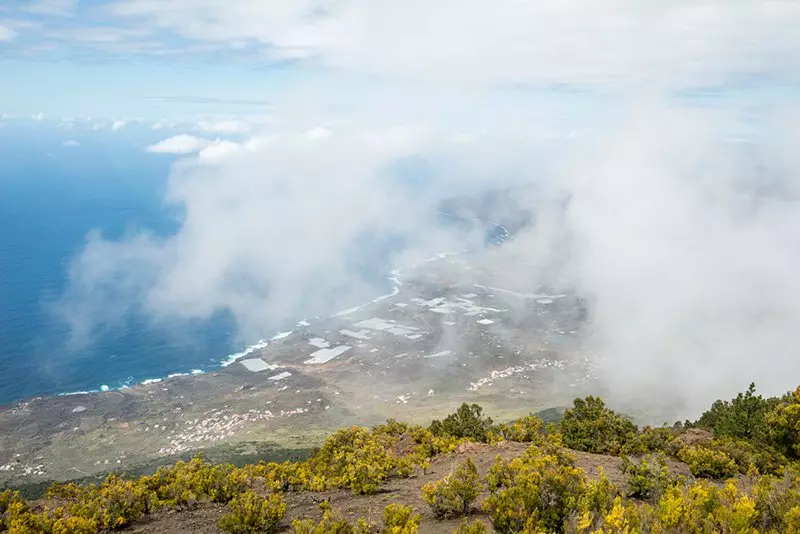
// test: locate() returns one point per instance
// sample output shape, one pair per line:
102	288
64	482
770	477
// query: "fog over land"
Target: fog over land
660	166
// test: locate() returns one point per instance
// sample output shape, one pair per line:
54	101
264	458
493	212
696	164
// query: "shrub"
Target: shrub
117	502
430	445
525	429
762	459
783	422
355	458
331	523
466	422
537	490
474	527
11	504
399	519
650	440
706	462
648	478
590	426
454	494
743	417
75	525
185	483
250	512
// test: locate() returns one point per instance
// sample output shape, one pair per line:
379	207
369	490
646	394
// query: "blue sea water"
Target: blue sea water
50	197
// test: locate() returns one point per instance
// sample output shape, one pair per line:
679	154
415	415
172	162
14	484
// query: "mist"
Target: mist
675	215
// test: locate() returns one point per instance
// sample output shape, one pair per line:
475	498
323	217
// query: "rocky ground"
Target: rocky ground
450	334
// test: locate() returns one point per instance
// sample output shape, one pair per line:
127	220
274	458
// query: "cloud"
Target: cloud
118	125
38	116
7	34
179	144
218	150
269	232
70	143
649	203
225	127
606	42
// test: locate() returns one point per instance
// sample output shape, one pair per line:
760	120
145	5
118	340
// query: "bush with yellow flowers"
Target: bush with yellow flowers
471	527
332	522
355	458
783	424
539	490
251	513
400	519
454	494
528	429
707	462
11	505
115	503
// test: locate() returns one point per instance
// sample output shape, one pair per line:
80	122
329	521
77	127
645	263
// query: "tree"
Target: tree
466	422
591	427
742	417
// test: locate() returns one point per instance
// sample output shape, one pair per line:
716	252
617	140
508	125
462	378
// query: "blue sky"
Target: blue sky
110	58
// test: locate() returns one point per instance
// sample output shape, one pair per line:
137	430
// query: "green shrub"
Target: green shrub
540	489
251	513
706	462
186	483
783	422
762	458
400	519
471	527
116	503
591	427
743	417
650	440
11	504
648	478
332	522
75	525
528	429
466	422
454	494
355	458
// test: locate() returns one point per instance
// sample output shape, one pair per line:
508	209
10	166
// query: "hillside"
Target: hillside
733	470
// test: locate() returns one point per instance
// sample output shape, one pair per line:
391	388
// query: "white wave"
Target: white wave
281	335
248	350
151	381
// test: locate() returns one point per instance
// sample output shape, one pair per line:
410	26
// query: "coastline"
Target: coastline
394	277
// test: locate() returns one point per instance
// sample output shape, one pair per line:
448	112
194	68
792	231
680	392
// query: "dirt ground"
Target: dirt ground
203	519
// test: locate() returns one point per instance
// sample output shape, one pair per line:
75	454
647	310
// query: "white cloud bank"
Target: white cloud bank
607	42
179	144
684	243
224	127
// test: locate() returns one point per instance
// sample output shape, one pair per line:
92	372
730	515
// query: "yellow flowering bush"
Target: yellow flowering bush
252	513
454	494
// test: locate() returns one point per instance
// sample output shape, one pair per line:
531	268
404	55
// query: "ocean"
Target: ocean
51	195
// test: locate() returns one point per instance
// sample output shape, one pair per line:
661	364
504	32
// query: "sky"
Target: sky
669	125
